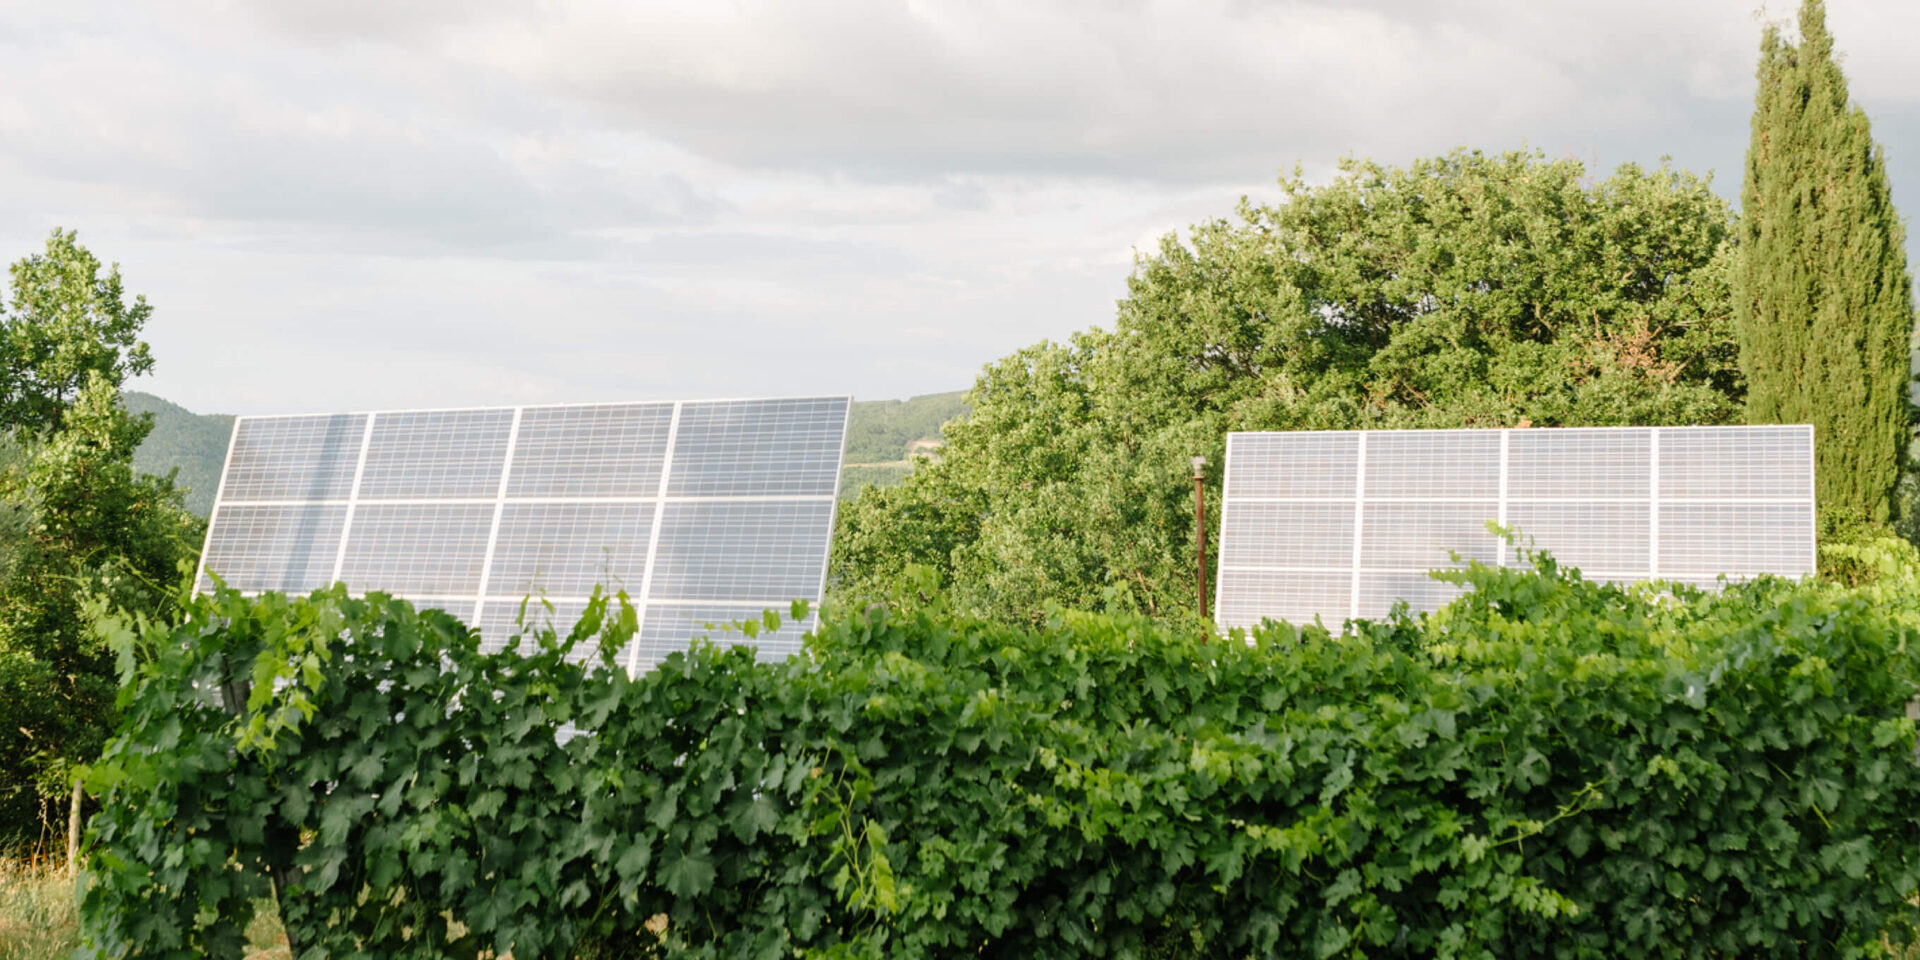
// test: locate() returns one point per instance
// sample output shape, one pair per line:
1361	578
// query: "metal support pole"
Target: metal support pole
1200	528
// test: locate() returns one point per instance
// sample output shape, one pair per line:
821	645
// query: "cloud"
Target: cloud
299	144
1168	91
362	203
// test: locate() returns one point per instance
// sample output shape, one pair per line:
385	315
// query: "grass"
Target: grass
39	920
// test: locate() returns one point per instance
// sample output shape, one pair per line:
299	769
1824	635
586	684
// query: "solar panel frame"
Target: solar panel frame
1596	497
765	458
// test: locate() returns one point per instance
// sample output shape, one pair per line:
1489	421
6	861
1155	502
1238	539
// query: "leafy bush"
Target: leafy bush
1548	767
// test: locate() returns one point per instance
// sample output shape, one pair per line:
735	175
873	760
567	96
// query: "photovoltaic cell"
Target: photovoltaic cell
1380	591
1415	463
1290	534
1689	504
501	622
265	547
293	458
604	450
758	448
1249	595
668	627
417	549
436	454
1609	540
715	551
704	512
1404	535
565	549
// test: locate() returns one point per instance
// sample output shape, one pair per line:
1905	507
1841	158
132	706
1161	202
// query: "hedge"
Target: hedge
1548	767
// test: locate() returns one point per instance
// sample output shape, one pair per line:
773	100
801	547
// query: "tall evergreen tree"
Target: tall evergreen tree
1823	302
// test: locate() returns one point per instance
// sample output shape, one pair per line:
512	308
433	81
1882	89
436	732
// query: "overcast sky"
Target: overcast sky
357	204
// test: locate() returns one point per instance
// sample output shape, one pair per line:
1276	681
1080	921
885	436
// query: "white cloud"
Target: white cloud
362	204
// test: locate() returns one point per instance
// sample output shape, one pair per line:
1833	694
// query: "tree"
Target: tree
1464	290
80	529
66	324
1823	300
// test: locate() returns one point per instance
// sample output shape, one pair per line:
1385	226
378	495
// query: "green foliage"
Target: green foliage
1466	290
1548	767
1825	301
80	531
855	477
92	536
67	324
190	447
884	431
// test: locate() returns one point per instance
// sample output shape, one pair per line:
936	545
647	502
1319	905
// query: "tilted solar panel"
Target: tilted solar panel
1342	524
704	511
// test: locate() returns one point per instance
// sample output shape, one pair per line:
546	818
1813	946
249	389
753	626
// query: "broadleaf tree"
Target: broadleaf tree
67	322
81	530
1463	290
1824	300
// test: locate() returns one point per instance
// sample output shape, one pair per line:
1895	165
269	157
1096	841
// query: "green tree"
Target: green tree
1464	290
1824	301
80	529
67	323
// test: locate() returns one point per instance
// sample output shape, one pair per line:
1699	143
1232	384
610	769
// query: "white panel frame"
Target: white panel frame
1652	568
653	538
484	597
219	495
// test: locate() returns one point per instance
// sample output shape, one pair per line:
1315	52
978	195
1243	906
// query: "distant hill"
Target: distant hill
880	434
194	443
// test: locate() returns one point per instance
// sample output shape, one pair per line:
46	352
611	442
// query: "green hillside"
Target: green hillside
193	443
880	435
882	431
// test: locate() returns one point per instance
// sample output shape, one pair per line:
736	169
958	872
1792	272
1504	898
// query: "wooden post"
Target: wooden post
73	829
1913	713
1200	528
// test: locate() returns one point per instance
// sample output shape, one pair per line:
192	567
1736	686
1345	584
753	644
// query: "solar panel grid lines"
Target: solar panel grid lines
653	537
1653	503
1359	522
353	496
499	508
1500	511
1620	503
475	509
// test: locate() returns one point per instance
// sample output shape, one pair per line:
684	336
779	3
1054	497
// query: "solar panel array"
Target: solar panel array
706	512
1341	524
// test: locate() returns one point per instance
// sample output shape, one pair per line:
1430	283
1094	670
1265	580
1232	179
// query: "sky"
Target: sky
361	204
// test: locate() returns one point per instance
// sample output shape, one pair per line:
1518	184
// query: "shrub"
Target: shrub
1548	767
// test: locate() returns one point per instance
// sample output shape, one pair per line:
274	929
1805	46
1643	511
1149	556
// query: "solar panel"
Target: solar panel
706	511
1340	525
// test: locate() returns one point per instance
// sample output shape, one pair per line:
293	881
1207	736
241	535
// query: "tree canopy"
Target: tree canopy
1462	290
67	322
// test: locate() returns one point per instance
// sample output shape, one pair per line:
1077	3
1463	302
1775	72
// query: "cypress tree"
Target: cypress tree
1823	302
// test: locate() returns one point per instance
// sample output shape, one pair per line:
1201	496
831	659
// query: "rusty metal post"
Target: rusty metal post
1200	527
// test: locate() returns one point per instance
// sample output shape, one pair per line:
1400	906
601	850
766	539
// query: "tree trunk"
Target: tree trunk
281	841
73	830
